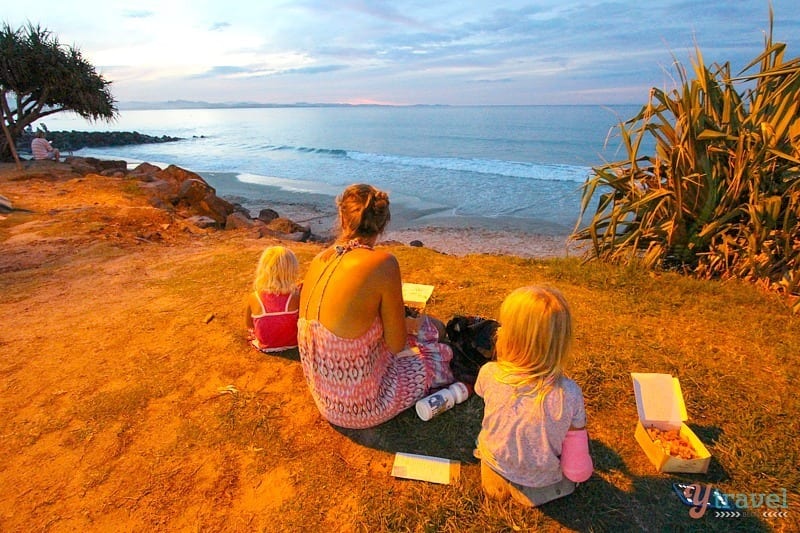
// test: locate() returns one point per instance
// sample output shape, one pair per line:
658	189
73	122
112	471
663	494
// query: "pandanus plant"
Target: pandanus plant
720	195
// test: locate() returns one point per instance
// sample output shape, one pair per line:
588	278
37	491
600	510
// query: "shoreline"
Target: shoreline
437	229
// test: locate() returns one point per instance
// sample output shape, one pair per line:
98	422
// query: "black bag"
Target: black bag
472	339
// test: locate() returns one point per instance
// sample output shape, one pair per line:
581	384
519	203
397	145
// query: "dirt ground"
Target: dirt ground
130	399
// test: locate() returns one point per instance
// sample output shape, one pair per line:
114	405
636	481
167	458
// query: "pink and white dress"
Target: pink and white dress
359	383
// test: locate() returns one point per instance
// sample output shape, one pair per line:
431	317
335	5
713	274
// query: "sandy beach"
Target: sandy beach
439	230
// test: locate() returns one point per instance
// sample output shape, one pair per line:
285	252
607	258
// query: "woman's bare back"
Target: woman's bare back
345	292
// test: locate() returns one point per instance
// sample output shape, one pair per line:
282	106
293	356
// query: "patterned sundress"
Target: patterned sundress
359	383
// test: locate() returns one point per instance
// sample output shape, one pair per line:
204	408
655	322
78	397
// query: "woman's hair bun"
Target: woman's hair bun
363	211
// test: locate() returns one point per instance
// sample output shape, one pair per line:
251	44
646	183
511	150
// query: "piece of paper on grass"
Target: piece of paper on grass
425	468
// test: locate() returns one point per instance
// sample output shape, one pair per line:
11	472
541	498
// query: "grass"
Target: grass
724	341
156	440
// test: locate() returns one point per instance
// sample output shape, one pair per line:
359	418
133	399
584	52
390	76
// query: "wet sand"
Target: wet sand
434	228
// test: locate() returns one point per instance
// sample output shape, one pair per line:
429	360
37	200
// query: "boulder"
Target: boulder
284	225
75	140
92	165
238	220
215	207
144	172
193	191
239	208
178	175
193	194
299	236
267	215
202	221
108	164
290	230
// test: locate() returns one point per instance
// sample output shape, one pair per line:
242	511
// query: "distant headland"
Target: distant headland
191	104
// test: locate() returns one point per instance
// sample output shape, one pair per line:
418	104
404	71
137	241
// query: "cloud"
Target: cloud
502	80
382	50
376	10
262	71
225	70
314	69
138	14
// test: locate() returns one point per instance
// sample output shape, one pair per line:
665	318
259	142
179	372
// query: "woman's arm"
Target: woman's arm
392	311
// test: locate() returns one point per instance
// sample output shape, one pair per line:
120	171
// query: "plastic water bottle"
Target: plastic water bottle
442	400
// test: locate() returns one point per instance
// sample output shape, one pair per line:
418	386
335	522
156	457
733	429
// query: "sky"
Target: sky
402	52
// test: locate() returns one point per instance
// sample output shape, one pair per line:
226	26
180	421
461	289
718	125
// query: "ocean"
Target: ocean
519	164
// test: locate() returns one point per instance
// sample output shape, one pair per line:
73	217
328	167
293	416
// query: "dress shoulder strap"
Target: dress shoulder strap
289	300
340	250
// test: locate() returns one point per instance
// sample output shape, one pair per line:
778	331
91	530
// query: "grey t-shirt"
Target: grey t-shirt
520	439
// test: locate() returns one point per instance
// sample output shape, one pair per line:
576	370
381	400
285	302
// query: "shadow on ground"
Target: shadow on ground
449	435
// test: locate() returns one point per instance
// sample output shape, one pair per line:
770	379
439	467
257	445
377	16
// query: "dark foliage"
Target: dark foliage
39	77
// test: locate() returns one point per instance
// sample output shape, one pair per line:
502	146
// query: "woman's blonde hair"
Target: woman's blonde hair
363	211
277	271
535	335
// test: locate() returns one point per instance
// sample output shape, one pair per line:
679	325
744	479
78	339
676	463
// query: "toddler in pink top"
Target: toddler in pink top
533	443
272	307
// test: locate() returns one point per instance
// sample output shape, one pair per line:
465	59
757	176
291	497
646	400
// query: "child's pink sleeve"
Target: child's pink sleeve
576	463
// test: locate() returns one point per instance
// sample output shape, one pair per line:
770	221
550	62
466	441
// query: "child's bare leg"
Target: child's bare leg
493	484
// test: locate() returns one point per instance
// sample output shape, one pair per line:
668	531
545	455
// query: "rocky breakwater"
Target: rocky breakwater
187	196
69	141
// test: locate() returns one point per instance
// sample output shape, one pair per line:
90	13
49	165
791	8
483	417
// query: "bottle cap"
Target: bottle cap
460	391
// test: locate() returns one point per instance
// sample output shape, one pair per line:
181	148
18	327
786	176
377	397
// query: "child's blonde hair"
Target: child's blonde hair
277	271
535	336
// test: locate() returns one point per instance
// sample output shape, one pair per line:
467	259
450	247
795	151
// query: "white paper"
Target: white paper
425	468
416	295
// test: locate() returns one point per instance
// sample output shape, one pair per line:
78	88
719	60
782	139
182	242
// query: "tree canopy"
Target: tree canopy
39	77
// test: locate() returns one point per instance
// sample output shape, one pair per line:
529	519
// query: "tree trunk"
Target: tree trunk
11	144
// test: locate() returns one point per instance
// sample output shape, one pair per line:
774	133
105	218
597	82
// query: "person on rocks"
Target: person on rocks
42	149
271	316
363	359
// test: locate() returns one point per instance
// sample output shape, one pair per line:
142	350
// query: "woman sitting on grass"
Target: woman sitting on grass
364	363
533	443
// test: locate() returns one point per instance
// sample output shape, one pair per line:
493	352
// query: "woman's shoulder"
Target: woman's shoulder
376	254
380	261
362	254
